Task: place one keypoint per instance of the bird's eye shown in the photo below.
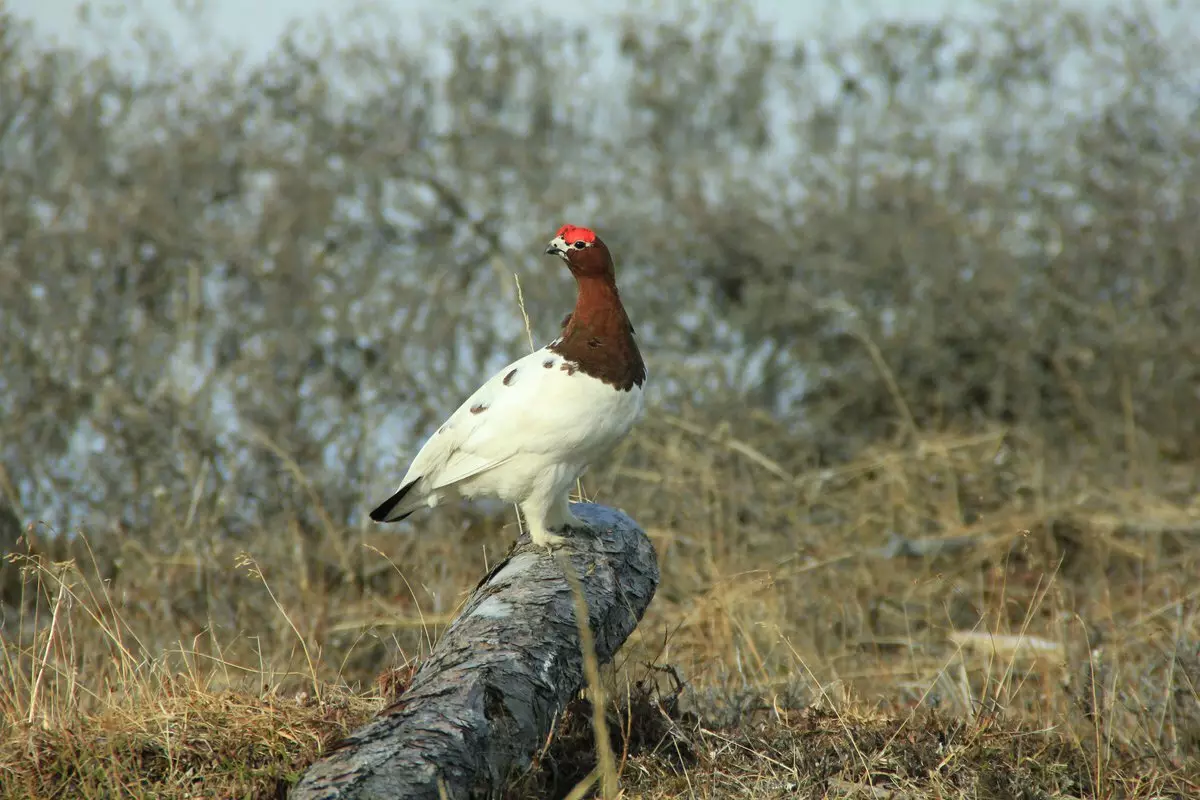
(580, 244)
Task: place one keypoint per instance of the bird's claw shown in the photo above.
(550, 541)
(570, 530)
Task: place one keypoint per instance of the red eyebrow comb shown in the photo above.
(573, 233)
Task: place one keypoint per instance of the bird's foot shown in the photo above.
(547, 540)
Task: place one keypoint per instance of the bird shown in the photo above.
(527, 434)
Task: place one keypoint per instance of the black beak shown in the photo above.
(553, 250)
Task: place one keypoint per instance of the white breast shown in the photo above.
(539, 412)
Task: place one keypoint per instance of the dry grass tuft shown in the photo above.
(842, 750)
(89, 712)
(183, 741)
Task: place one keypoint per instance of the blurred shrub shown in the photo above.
(237, 292)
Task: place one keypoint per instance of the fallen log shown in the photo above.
(484, 701)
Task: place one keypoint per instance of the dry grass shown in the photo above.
(964, 617)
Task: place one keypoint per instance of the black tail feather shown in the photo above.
(381, 511)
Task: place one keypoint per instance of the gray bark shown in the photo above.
(483, 702)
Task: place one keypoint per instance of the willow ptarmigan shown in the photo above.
(527, 434)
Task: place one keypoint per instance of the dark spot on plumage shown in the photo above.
(478, 408)
(508, 379)
(548, 363)
(569, 368)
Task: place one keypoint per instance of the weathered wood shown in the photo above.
(484, 701)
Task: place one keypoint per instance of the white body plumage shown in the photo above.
(523, 437)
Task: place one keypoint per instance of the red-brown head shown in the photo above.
(586, 256)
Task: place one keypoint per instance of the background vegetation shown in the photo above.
(920, 307)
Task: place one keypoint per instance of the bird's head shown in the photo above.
(582, 250)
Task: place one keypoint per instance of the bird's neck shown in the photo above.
(599, 337)
(598, 304)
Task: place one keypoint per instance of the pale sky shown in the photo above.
(256, 25)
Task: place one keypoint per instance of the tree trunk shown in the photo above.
(485, 700)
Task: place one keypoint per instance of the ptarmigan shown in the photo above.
(527, 434)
